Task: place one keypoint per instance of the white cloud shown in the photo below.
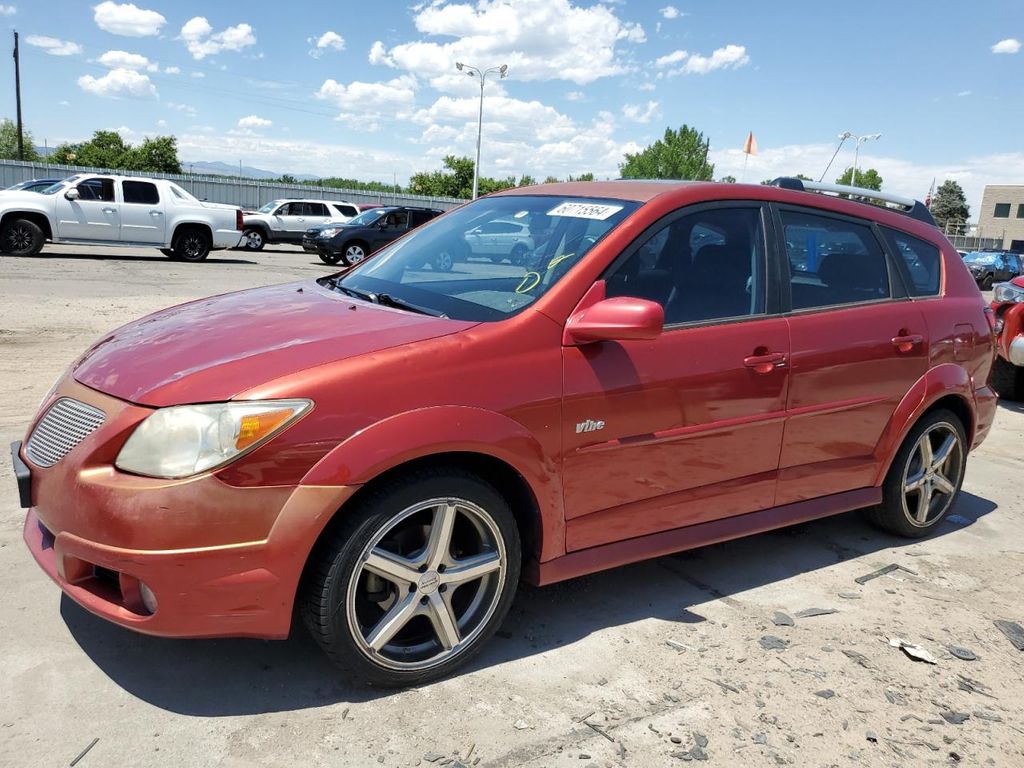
(119, 83)
(729, 57)
(574, 96)
(188, 109)
(172, 70)
(202, 41)
(638, 113)
(254, 121)
(646, 87)
(328, 41)
(127, 19)
(961, 94)
(1009, 45)
(538, 39)
(125, 60)
(670, 12)
(361, 104)
(511, 119)
(670, 58)
(54, 46)
(197, 75)
(8, 10)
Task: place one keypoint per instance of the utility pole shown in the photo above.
(17, 97)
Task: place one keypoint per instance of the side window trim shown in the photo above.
(772, 289)
(904, 269)
(785, 271)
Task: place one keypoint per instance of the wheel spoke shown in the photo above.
(440, 540)
(924, 503)
(392, 567)
(943, 453)
(943, 483)
(924, 445)
(393, 621)
(915, 481)
(444, 622)
(471, 568)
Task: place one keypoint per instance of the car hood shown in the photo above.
(12, 197)
(212, 349)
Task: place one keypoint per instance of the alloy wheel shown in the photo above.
(192, 246)
(354, 254)
(426, 584)
(932, 474)
(19, 238)
(253, 240)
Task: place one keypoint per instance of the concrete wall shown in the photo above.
(245, 193)
(1009, 230)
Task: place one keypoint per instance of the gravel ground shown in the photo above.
(673, 660)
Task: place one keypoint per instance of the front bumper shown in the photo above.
(221, 561)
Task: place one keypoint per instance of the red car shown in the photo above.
(1008, 369)
(390, 450)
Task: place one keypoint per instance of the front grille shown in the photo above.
(66, 424)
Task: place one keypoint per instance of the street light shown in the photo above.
(482, 74)
(856, 151)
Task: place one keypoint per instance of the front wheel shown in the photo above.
(925, 477)
(21, 237)
(443, 261)
(416, 580)
(353, 253)
(330, 258)
(191, 245)
(986, 283)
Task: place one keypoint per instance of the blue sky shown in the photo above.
(370, 90)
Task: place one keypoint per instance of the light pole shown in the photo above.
(856, 151)
(482, 74)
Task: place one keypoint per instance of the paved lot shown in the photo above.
(634, 667)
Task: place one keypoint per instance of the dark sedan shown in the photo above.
(357, 238)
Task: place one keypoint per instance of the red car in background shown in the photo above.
(391, 449)
(1008, 369)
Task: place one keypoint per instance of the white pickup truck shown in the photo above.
(117, 210)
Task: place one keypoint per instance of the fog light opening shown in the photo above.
(148, 598)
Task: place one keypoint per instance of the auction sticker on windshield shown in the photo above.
(585, 210)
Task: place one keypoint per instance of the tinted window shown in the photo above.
(97, 189)
(704, 266)
(315, 209)
(346, 210)
(420, 217)
(1020, 210)
(922, 260)
(1002, 211)
(140, 192)
(833, 262)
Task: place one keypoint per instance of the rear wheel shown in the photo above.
(925, 477)
(443, 261)
(1008, 379)
(416, 580)
(330, 258)
(518, 255)
(191, 244)
(21, 237)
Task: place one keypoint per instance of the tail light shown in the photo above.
(239, 224)
(992, 324)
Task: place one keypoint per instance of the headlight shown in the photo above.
(1008, 293)
(330, 232)
(185, 440)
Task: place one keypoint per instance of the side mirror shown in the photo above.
(622, 318)
(72, 194)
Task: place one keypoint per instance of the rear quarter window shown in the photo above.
(922, 260)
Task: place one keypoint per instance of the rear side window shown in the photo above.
(833, 261)
(922, 259)
(346, 210)
(420, 217)
(140, 192)
(315, 209)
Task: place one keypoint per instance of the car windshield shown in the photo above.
(487, 260)
(983, 259)
(269, 206)
(53, 189)
(366, 218)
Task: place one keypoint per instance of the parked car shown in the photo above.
(353, 241)
(285, 221)
(500, 240)
(388, 451)
(1008, 310)
(97, 209)
(32, 185)
(991, 267)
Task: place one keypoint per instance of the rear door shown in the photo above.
(315, 213)
(858, 346)
(142, 213)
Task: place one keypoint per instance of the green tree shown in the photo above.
(455, 180)
(287, 178)
(526, 180)
(106, 149)
(588, 176)
(159, 155)
(9, 142)
(949, 206)
(868, 179)
(728, 179)
(680, 154)
(552, 180)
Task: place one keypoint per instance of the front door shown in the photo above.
(95, 215)
(858, 347)
(142, 213)
(289, 221)
(686, 428)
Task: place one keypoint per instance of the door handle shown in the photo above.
(906, 341)
(765, 363)
(110, 210)
(156, 213)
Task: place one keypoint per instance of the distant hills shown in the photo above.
(217, 168)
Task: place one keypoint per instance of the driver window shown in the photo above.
(701, 267)
(96, 189)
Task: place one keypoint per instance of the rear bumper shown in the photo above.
(226, 238)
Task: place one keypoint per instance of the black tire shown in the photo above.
(354, 252)
(191, 244)
(986, 283)
(443, 261)
(1007, 379)
(336, 587)
(518, 254)
(21, 237)
(253, 239)
(330, 258)
(167, 252)
(895, 514)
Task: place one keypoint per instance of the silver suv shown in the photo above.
(284, 221)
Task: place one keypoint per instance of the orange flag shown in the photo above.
(750, 145)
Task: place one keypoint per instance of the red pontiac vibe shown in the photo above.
(390, 450)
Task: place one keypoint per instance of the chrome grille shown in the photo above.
(66, 424)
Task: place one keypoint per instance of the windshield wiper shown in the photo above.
(364, 295)
(389, 300)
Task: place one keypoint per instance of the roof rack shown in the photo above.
(915, 209)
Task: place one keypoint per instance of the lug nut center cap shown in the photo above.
(429, 582)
